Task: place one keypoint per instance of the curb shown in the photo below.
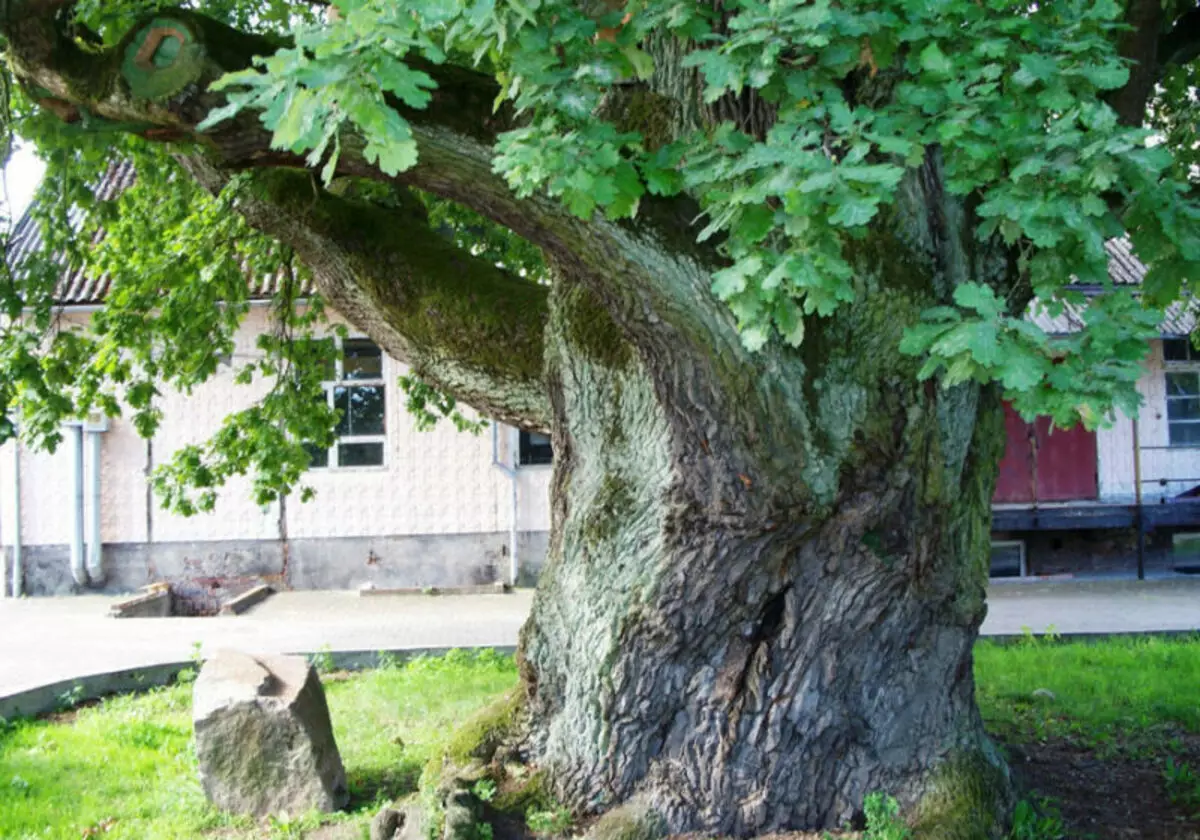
(65, 694)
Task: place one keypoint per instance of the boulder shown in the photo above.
(263, 737)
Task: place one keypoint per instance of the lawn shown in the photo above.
(124, 769)
(1109, 732)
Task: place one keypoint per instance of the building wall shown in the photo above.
(1166, 471)
(438, 501)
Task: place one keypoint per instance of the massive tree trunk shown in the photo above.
(751, 635)
(767, 569)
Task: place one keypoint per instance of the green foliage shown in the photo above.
(1040, 821)
(427, 405)
(884, 822)
(1183, 785)
(549, 821)
(1004, 98)
(322, 660)
(484, 790)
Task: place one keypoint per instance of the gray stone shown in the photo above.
(1044, 694)
(460, 816)
(407, 823)
(384, 826)
(263, 737)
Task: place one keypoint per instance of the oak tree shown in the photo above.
(761, 267)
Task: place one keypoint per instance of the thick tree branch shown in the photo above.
(463, 325)
(651, 277)
(1140, 46)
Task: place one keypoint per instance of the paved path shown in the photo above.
(47, 640)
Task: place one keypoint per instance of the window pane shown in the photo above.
(362, 410)
(1175, 349)
(318, 457)
(535, 449)
(1183, 384)
(363, 360)
(1185, 434)
(1187, 409)
(360, 454)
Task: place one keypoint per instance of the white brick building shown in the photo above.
(418, 509)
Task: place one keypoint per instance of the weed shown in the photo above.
(1183, 784)
(484, 790)
(883, 818)
(285, 827)
(551, 821)
(385, 660)
(1039, 821)
(71, 698)
(189, 674)
(322, 660)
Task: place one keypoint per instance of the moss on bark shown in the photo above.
(435, 294)
(590, 329)
(968, 798)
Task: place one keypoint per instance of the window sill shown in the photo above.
(341, 470)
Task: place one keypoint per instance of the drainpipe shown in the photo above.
(78, 561)
(1137, 495)
(18, 579)
(95, 549)
(514, 565)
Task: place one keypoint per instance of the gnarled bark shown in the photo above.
(752, 637)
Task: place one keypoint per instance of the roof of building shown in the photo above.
(78, 288)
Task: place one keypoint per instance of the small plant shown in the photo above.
(1037, 822)
(71, 698)
(483, 831)
(189, 674)
(883, 818)
(322, 660)
(19, 786)
(1183, 784)
(385, 660)
(484, 790)
(551, 821)
(283, 826)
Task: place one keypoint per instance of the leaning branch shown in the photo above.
(462, 324)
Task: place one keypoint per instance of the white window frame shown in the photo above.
(1189, 365)
(340, 381)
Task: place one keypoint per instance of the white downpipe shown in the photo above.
(18, 567)
(78, 561)
(514, 563)
(95, 549)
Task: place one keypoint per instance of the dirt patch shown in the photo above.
(1107, 797)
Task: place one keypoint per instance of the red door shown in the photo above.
(1041, 464)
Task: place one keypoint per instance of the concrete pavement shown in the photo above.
(49, 640)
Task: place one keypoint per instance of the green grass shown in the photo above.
(130, 760)
(1126, 694)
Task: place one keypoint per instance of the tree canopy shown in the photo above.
(783, 131)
